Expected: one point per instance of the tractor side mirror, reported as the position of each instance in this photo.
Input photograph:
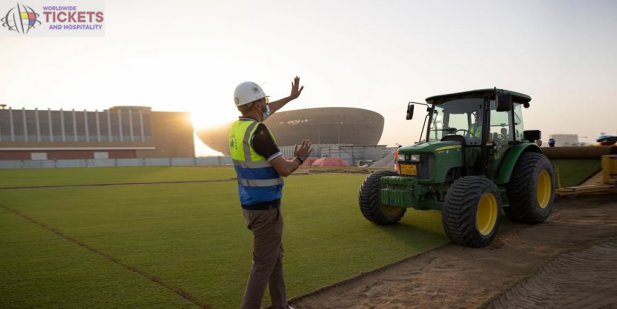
(532, 135)
(410, 108)
(504, 102)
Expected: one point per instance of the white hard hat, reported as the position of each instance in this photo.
(248, 92)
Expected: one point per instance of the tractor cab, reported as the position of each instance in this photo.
(484, 122)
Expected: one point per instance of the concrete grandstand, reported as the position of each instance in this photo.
(118, 132)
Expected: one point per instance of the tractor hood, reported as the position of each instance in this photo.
(432, 160)
(430, 147)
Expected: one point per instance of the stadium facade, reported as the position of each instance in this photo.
(116, 133)
(327, 125)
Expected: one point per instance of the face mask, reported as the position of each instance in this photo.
(266, 114)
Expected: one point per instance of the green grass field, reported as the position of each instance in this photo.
(147, 245)
(174, 244)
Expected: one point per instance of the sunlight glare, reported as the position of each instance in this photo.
(204, 119)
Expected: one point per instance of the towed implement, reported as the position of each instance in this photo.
(604, 182)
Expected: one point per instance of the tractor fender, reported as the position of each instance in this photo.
(509, 161)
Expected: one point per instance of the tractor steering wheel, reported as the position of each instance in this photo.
(467, 132)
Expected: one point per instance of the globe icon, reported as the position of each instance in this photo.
(20, 19)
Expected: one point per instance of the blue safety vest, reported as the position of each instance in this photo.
(258, 181)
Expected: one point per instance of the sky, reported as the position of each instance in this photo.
(378, 55)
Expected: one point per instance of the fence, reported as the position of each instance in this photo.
(352, 154)
(203, 161)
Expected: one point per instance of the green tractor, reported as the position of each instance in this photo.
(476, 160)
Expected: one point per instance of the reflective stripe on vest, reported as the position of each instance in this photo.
(251, 164)
(258, 181)
(246, 141)
(261, 182)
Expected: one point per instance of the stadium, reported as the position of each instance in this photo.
(118, 132)
(328, 125)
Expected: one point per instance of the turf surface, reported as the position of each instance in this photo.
(573, 172)
(11, 178)
(180, 244)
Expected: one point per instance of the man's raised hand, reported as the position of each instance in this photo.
(296, 90)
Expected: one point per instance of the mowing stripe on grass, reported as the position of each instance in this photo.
(178, 291)
(118, 184)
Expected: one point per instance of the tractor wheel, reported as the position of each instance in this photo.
(471, 211)
(531, 190)
(370, 201)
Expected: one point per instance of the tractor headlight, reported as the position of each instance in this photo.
(415, 158)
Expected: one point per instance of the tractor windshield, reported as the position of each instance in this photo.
(460, 117)
(518, 121)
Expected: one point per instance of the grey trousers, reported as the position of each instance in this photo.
(267, 267)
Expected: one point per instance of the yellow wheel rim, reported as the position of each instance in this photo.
(486, 214)
(543, 190)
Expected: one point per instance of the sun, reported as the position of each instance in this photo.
(209, 119)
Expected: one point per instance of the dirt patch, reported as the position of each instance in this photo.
(572, 257)
(591, 273)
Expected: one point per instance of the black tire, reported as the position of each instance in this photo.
(370, 201)
(531, 190)
(471, 211)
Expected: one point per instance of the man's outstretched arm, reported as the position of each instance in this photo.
(296, 90)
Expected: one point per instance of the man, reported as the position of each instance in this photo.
(476, 127)
(259, 166)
